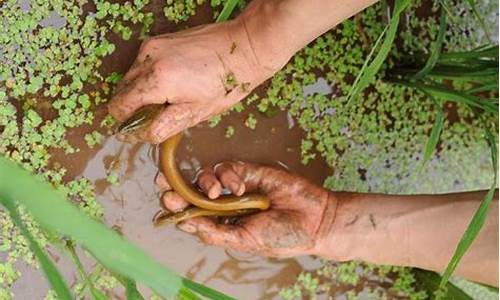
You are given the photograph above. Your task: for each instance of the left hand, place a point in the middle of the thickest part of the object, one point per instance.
(294, 225)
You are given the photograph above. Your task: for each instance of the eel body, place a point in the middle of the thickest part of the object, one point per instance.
(227, 205)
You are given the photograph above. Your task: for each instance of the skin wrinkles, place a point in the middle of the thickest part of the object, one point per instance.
(291, 235)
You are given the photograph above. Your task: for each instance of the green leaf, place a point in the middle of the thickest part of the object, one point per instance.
(435, 49)
(366, 76)
(432, 142)
(479, 217)
(227, 10)
(54, 277)
(443, 93)
(483, 52)
(54, 213)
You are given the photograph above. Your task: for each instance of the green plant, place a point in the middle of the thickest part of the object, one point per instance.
(370, 69)
(57, 216)
(478, 68)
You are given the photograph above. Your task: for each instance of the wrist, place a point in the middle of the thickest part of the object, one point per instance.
(266, 35)
(332, 243)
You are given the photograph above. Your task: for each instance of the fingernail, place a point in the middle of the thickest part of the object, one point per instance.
(187, 227)
(212, 191)
(238, 188)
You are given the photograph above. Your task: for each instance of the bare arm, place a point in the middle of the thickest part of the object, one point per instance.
(278, 29)
(408, 230)
(419, 230)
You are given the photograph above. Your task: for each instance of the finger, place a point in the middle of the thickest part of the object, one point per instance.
(135, 94)
(161, 182)
(262, 178)
(229, 179)
(227, 236)
(208, 183)
(173, 119)
(174, 202)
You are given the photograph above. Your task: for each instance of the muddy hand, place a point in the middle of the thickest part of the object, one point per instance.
(199, 72)
(292, 226)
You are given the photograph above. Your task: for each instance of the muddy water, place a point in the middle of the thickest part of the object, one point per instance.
(131, 204)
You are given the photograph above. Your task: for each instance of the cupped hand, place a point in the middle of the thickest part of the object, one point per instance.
(301, 213)
(198, 72)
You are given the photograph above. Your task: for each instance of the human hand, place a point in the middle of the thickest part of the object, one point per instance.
(198, 72)
(300, 216)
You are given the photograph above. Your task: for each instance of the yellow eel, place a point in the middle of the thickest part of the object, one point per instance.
(227, 205)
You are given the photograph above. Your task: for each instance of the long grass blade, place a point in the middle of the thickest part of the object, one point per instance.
(435, 48)
(366, 63)
(53, 276)
(433, 140)
(479, 217)
(53, 212)
(483, 52)
(445, 94)
(227, 10)
(489, 87)
(465, 73)
(369, 72)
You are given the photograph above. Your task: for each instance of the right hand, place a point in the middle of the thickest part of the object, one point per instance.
(199, 72)
(299, 218)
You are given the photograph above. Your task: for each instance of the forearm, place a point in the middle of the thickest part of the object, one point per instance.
(420, 231)
(279, 28)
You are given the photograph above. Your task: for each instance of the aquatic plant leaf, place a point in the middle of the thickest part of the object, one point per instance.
(369, 72)
(433, 140)
(479, 217)
(435, 48)
(227, 10)
(50, 270)
(52, 211)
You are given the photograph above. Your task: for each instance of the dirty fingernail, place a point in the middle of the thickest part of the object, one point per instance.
(187, 227)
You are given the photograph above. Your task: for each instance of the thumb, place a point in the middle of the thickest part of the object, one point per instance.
(223, 235)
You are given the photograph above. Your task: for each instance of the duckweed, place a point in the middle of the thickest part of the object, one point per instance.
(50, 59)
(181, 10)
